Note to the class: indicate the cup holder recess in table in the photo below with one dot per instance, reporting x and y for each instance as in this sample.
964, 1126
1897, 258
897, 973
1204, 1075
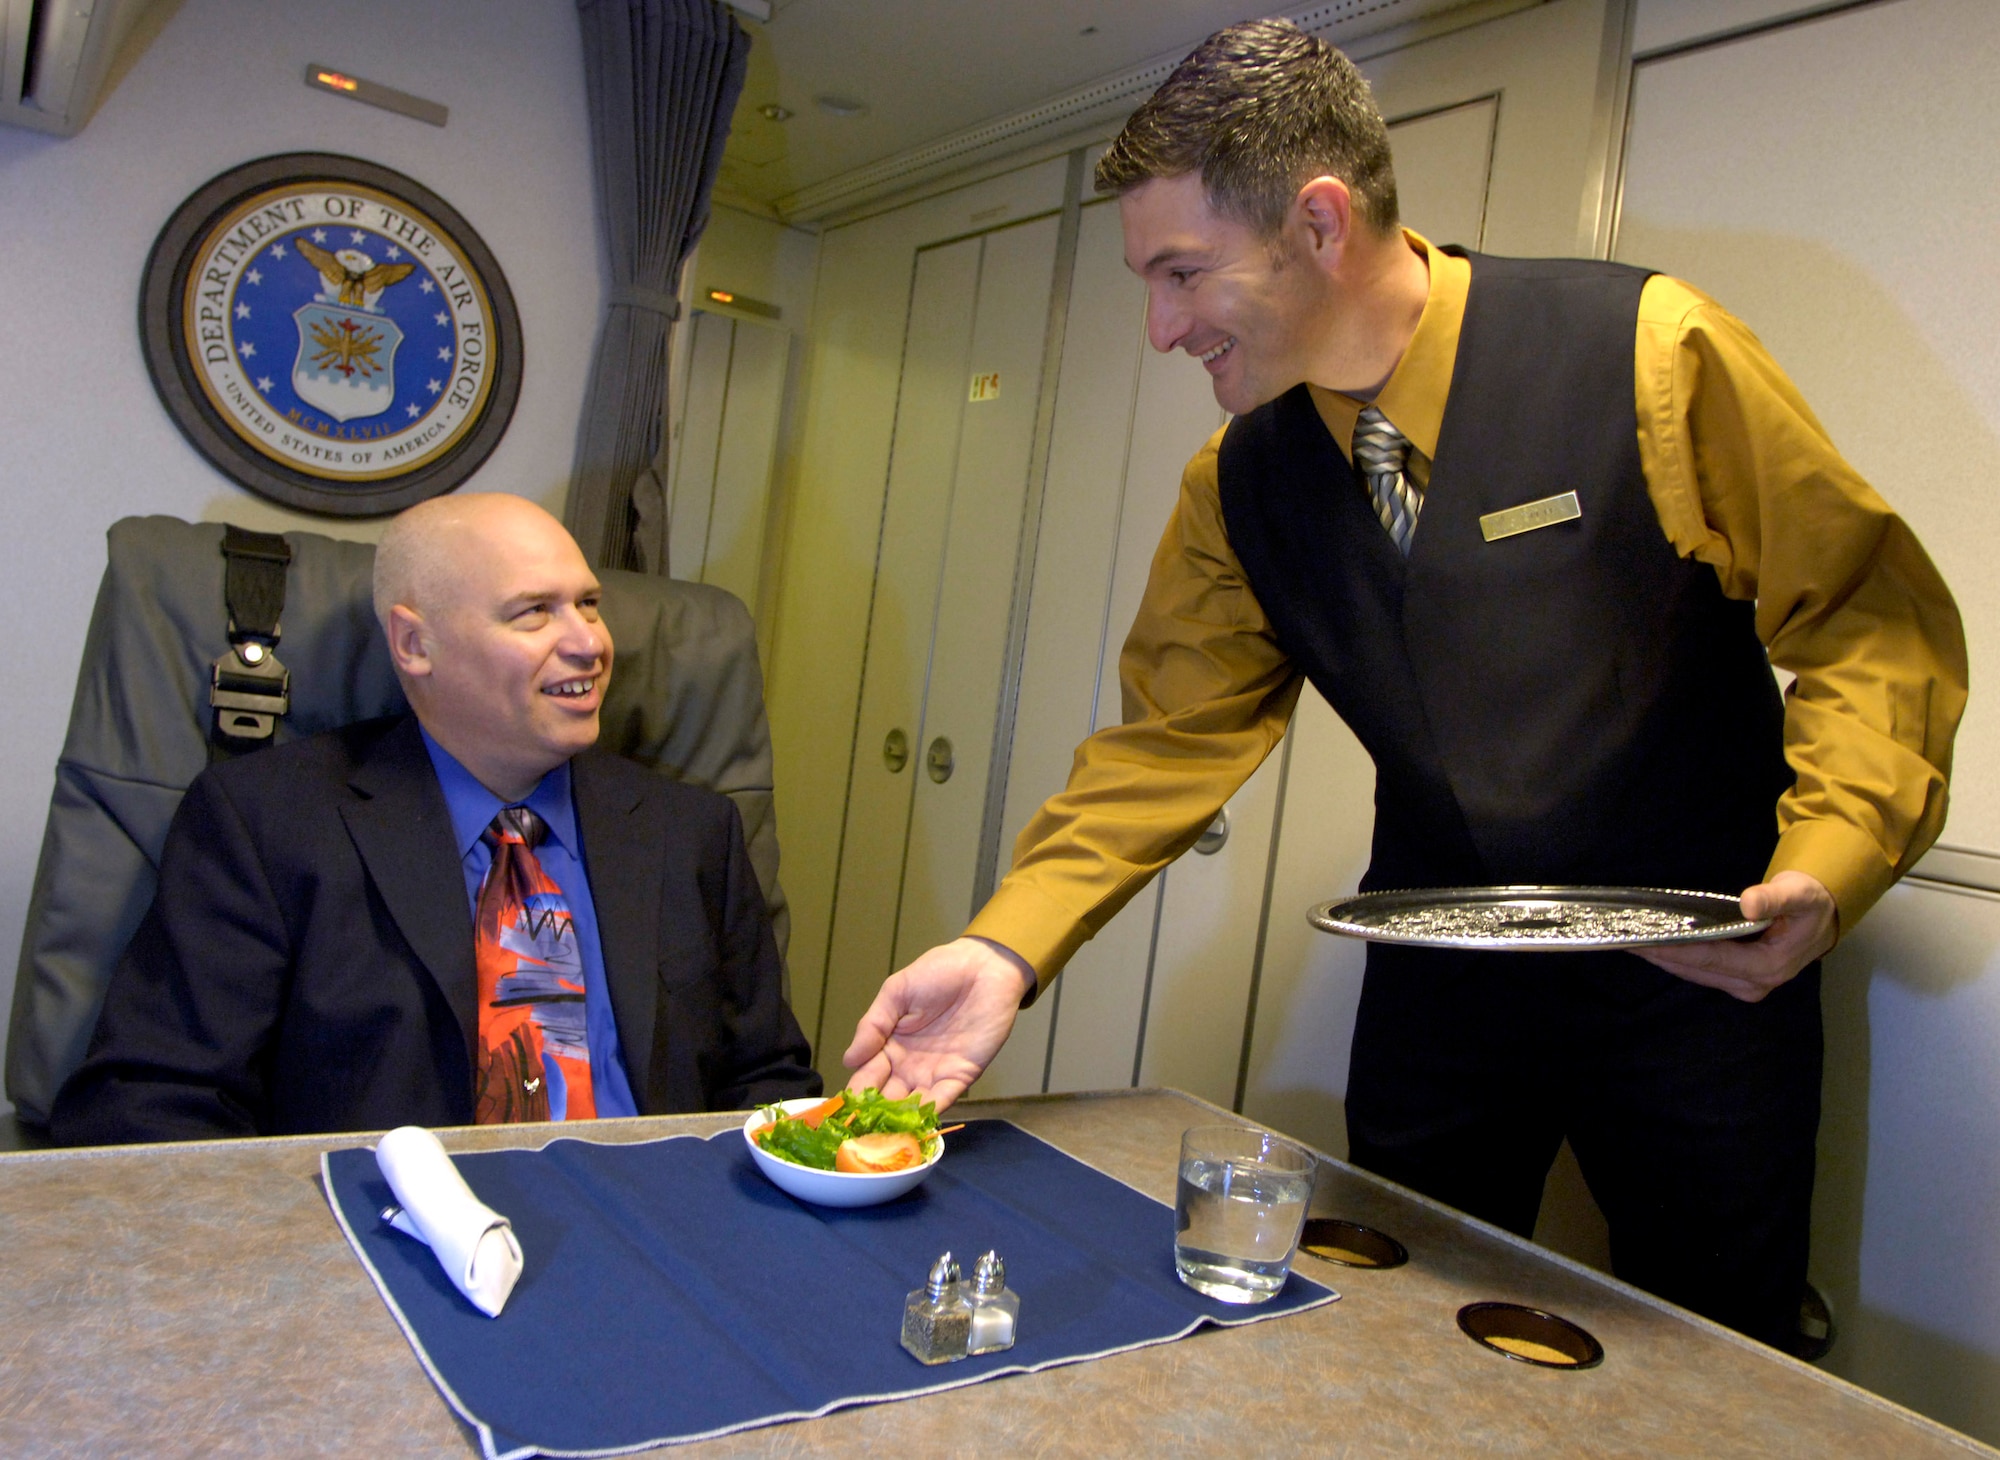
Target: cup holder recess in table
1350, 1244
1530, 1336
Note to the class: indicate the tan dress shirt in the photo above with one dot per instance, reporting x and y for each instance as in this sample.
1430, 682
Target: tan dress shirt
1744, 479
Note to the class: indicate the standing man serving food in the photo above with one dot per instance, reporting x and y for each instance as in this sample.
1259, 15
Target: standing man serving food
1589, 701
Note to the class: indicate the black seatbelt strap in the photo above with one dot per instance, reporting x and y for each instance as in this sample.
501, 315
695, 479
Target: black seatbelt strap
247, 687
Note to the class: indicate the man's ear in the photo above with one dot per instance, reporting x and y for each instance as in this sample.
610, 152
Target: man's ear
409, 641
1325, 208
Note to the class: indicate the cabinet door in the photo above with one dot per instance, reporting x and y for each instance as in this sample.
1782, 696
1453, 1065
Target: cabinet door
1126, 420
910, 557
699, 432
937, 623
728, 436
733, 548
1102, 1009
1062, 659
834, 487
957, 731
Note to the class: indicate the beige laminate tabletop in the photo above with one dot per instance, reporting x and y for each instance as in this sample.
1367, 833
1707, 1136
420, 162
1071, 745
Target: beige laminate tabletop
200, 1300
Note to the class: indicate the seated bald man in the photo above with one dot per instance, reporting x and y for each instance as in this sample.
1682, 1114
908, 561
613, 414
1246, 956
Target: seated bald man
463, 914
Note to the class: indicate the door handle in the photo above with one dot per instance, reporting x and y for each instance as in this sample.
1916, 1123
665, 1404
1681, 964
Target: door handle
1211, 840
938, 761
895, 751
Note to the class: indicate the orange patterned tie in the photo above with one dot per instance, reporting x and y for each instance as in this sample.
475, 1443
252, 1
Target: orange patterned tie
533, 1057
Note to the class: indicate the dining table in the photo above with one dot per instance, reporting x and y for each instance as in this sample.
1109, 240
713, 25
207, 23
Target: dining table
200, 1299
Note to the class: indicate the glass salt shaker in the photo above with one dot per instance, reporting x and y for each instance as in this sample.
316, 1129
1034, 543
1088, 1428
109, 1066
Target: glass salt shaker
996, 1308
937, 1322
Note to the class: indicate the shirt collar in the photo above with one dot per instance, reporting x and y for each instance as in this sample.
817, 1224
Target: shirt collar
473, 807
1414, 395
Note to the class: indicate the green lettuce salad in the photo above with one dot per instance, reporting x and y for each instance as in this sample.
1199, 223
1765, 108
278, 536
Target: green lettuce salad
814, 1137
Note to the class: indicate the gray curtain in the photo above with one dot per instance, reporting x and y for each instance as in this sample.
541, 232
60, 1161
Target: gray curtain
663, 77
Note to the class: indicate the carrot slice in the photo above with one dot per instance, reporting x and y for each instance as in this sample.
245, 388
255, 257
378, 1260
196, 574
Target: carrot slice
821, 1111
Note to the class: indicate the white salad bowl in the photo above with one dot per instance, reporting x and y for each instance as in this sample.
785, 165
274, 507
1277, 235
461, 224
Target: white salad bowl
832, 1188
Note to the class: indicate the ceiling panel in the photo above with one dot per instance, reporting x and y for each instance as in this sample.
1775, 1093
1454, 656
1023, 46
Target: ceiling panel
926, 70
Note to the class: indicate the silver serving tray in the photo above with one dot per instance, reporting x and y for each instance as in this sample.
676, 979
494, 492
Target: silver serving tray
1542, 919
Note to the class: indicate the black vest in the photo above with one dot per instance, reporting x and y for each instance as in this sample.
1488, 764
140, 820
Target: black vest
1576, 704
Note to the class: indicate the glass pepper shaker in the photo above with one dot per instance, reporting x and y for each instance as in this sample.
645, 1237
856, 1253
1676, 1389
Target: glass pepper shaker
937, 1322
996, 1308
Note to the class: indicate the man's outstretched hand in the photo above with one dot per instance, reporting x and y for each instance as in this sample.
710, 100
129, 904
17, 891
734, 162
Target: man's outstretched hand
937, 1024
1803, 923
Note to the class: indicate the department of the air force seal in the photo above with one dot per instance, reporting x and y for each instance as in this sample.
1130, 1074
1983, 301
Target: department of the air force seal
331, 334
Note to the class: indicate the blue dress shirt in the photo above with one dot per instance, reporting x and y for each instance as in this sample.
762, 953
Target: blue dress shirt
473, 808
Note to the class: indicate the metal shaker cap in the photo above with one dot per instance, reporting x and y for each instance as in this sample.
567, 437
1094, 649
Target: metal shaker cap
944, 1275
989, 1276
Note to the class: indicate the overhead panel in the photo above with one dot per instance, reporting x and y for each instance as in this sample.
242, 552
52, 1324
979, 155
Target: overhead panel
55, 55
838, 167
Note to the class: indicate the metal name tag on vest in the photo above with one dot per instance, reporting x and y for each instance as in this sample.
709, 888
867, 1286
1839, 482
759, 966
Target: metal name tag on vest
1529, 516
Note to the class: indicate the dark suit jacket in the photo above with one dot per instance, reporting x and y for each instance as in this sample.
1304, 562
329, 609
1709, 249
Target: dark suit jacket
307, 964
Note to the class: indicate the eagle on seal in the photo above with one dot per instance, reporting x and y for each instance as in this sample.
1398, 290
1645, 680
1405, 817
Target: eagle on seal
358, 279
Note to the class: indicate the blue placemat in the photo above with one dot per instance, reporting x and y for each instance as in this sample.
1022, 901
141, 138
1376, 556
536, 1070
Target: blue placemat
671, 1293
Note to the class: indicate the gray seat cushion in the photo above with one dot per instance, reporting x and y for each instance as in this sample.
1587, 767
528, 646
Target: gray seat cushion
687, 699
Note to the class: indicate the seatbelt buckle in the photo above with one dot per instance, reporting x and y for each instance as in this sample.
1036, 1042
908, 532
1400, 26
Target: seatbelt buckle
249, 690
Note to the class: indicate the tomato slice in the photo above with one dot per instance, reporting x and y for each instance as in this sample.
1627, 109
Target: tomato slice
884, 1151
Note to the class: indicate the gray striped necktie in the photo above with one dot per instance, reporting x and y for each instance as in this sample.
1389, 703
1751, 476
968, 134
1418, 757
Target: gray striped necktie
1382, 452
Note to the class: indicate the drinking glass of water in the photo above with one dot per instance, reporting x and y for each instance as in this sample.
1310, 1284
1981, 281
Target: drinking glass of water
1241, 1200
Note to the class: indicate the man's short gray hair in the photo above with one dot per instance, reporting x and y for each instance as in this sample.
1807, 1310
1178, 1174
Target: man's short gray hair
413, 562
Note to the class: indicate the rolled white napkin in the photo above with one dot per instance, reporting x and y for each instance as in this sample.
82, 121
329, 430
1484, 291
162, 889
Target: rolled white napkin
474, 1243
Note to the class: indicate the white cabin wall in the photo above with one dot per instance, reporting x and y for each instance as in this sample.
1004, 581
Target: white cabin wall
746, 253
1857, 238
86, 439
